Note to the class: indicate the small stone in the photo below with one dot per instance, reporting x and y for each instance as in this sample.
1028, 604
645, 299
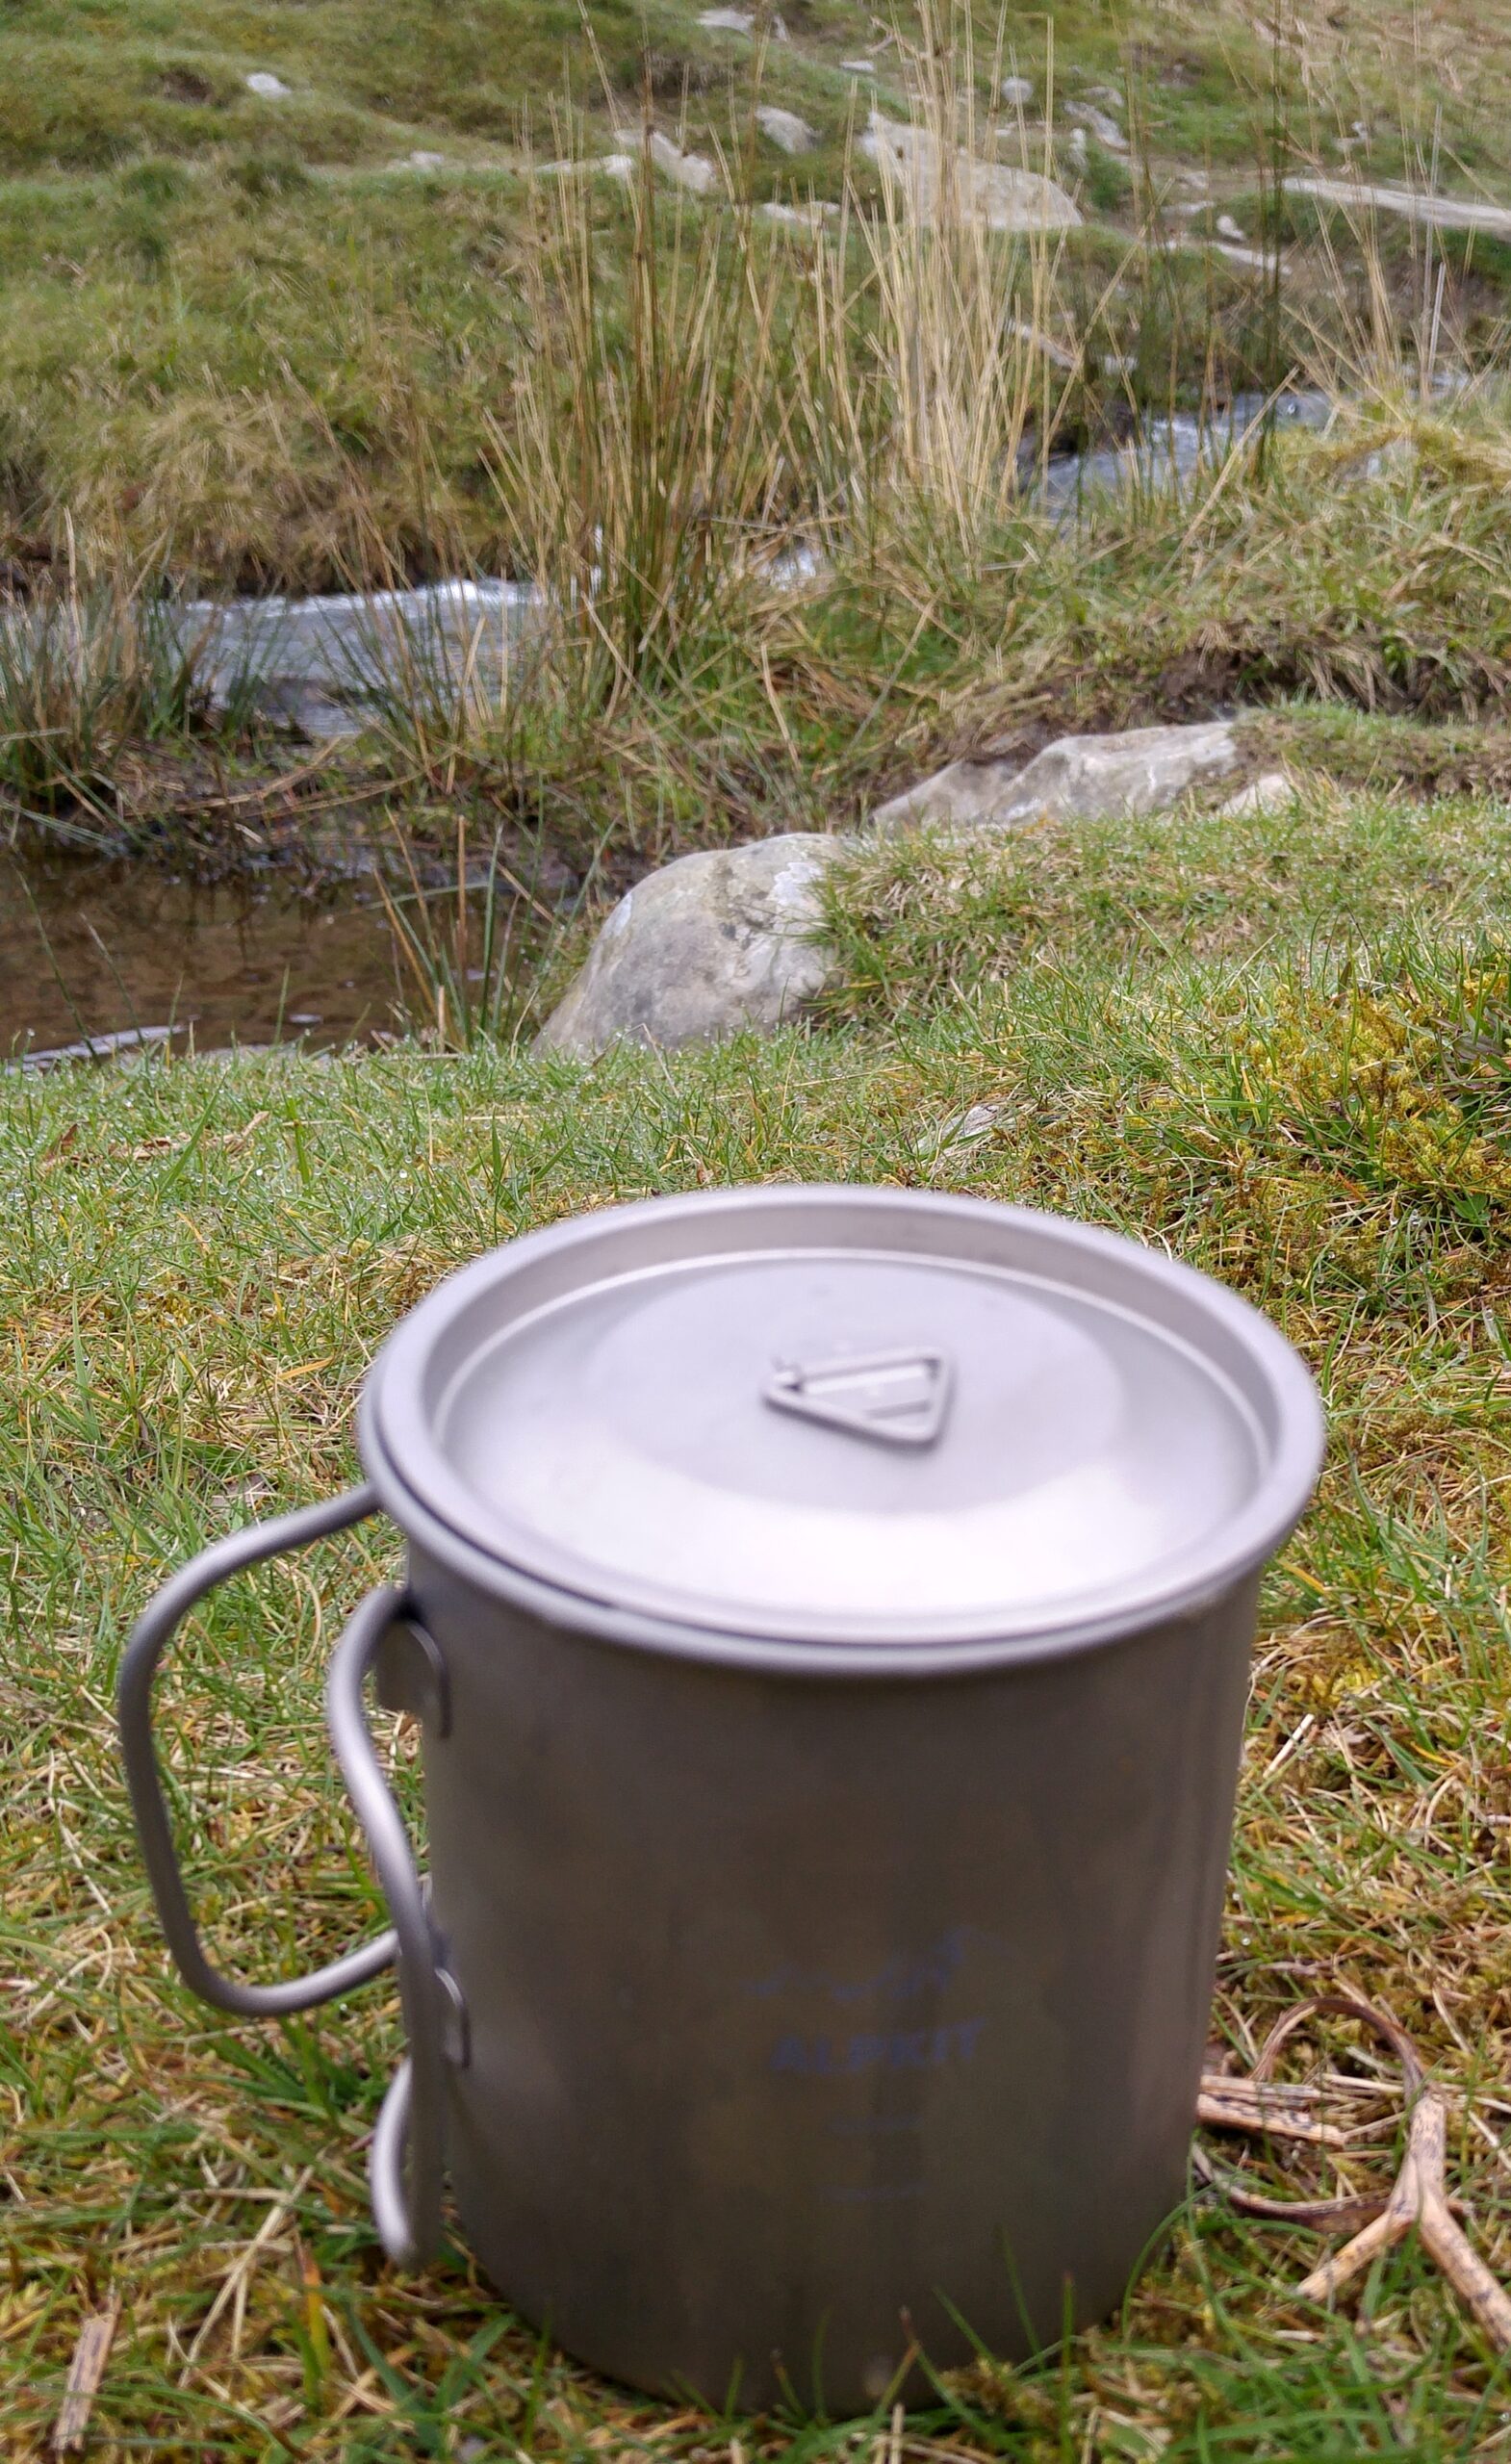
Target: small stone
692, 172
1105, 130
1083, 778
727, 22
1075, 145
1057, 353
786, 129
1271, 792
859, 67
1017, 92
272, 89
812, 215
616, 167
707, 946
1228, 229
424, 162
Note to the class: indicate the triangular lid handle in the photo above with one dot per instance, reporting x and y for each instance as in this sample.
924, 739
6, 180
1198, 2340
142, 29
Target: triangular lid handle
898, 1398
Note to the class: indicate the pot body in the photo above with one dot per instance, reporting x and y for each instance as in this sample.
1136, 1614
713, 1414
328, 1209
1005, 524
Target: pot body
807, 2016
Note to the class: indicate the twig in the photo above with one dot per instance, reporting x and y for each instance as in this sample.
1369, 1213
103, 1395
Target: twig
1250, 2104
86, 2375
1418, 2200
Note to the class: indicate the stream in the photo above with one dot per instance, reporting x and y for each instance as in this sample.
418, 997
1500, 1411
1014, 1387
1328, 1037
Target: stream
110, 949
105, 948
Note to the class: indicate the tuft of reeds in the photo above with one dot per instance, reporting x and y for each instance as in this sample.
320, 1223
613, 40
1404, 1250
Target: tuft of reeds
87, 668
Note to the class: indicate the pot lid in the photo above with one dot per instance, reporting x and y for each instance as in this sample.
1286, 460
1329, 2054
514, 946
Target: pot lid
846, 1415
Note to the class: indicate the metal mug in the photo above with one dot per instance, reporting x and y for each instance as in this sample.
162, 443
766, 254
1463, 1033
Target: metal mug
829, 1612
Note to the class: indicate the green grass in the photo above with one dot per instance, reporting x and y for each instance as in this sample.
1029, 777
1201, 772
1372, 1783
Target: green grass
237, 346
1346, 593
238, 334
921, 922
1296, 1073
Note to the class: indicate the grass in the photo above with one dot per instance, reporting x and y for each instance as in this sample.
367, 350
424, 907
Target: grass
237, 347
921, 922
232, 323
1298, 1076
1352, 586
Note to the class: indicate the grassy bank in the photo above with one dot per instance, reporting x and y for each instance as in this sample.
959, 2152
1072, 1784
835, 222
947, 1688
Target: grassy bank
247, 341
245, 333
1346, 592
1294, 1074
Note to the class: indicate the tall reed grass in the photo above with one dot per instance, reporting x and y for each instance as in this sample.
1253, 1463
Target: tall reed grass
87, 668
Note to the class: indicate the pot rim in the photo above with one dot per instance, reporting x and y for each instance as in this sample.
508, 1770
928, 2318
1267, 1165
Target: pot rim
1236, 1551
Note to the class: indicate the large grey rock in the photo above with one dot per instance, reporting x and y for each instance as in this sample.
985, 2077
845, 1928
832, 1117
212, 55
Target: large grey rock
995, 194
708, 945
1078, 777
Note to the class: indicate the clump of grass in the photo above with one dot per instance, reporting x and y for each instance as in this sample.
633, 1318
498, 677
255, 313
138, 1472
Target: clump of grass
924, 922
86, 671
642, 451
478, 952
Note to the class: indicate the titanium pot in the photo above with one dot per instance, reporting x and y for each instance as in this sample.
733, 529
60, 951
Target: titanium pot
828, 1610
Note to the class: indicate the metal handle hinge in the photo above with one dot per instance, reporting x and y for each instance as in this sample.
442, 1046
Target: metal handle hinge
457, 2033
409, 1675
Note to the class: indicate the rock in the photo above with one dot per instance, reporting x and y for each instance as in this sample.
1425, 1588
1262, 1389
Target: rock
740, 21
786, 129
692, 172
1055, 352
1079, 777
1442, 213
1227, 229
859, 67
616, 167
1271, 792
1076, 146
1017, 92
812, 215
272, 89
1106, 131
991, 193
710, 944
421, 160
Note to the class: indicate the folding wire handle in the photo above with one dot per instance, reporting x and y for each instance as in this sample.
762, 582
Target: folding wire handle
407, 2213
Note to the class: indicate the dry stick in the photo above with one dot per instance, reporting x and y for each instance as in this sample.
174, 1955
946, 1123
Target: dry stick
1243, 2104
1418, 2200
85, 2374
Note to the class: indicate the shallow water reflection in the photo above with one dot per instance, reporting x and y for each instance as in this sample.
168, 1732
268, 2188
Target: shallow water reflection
96, 947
